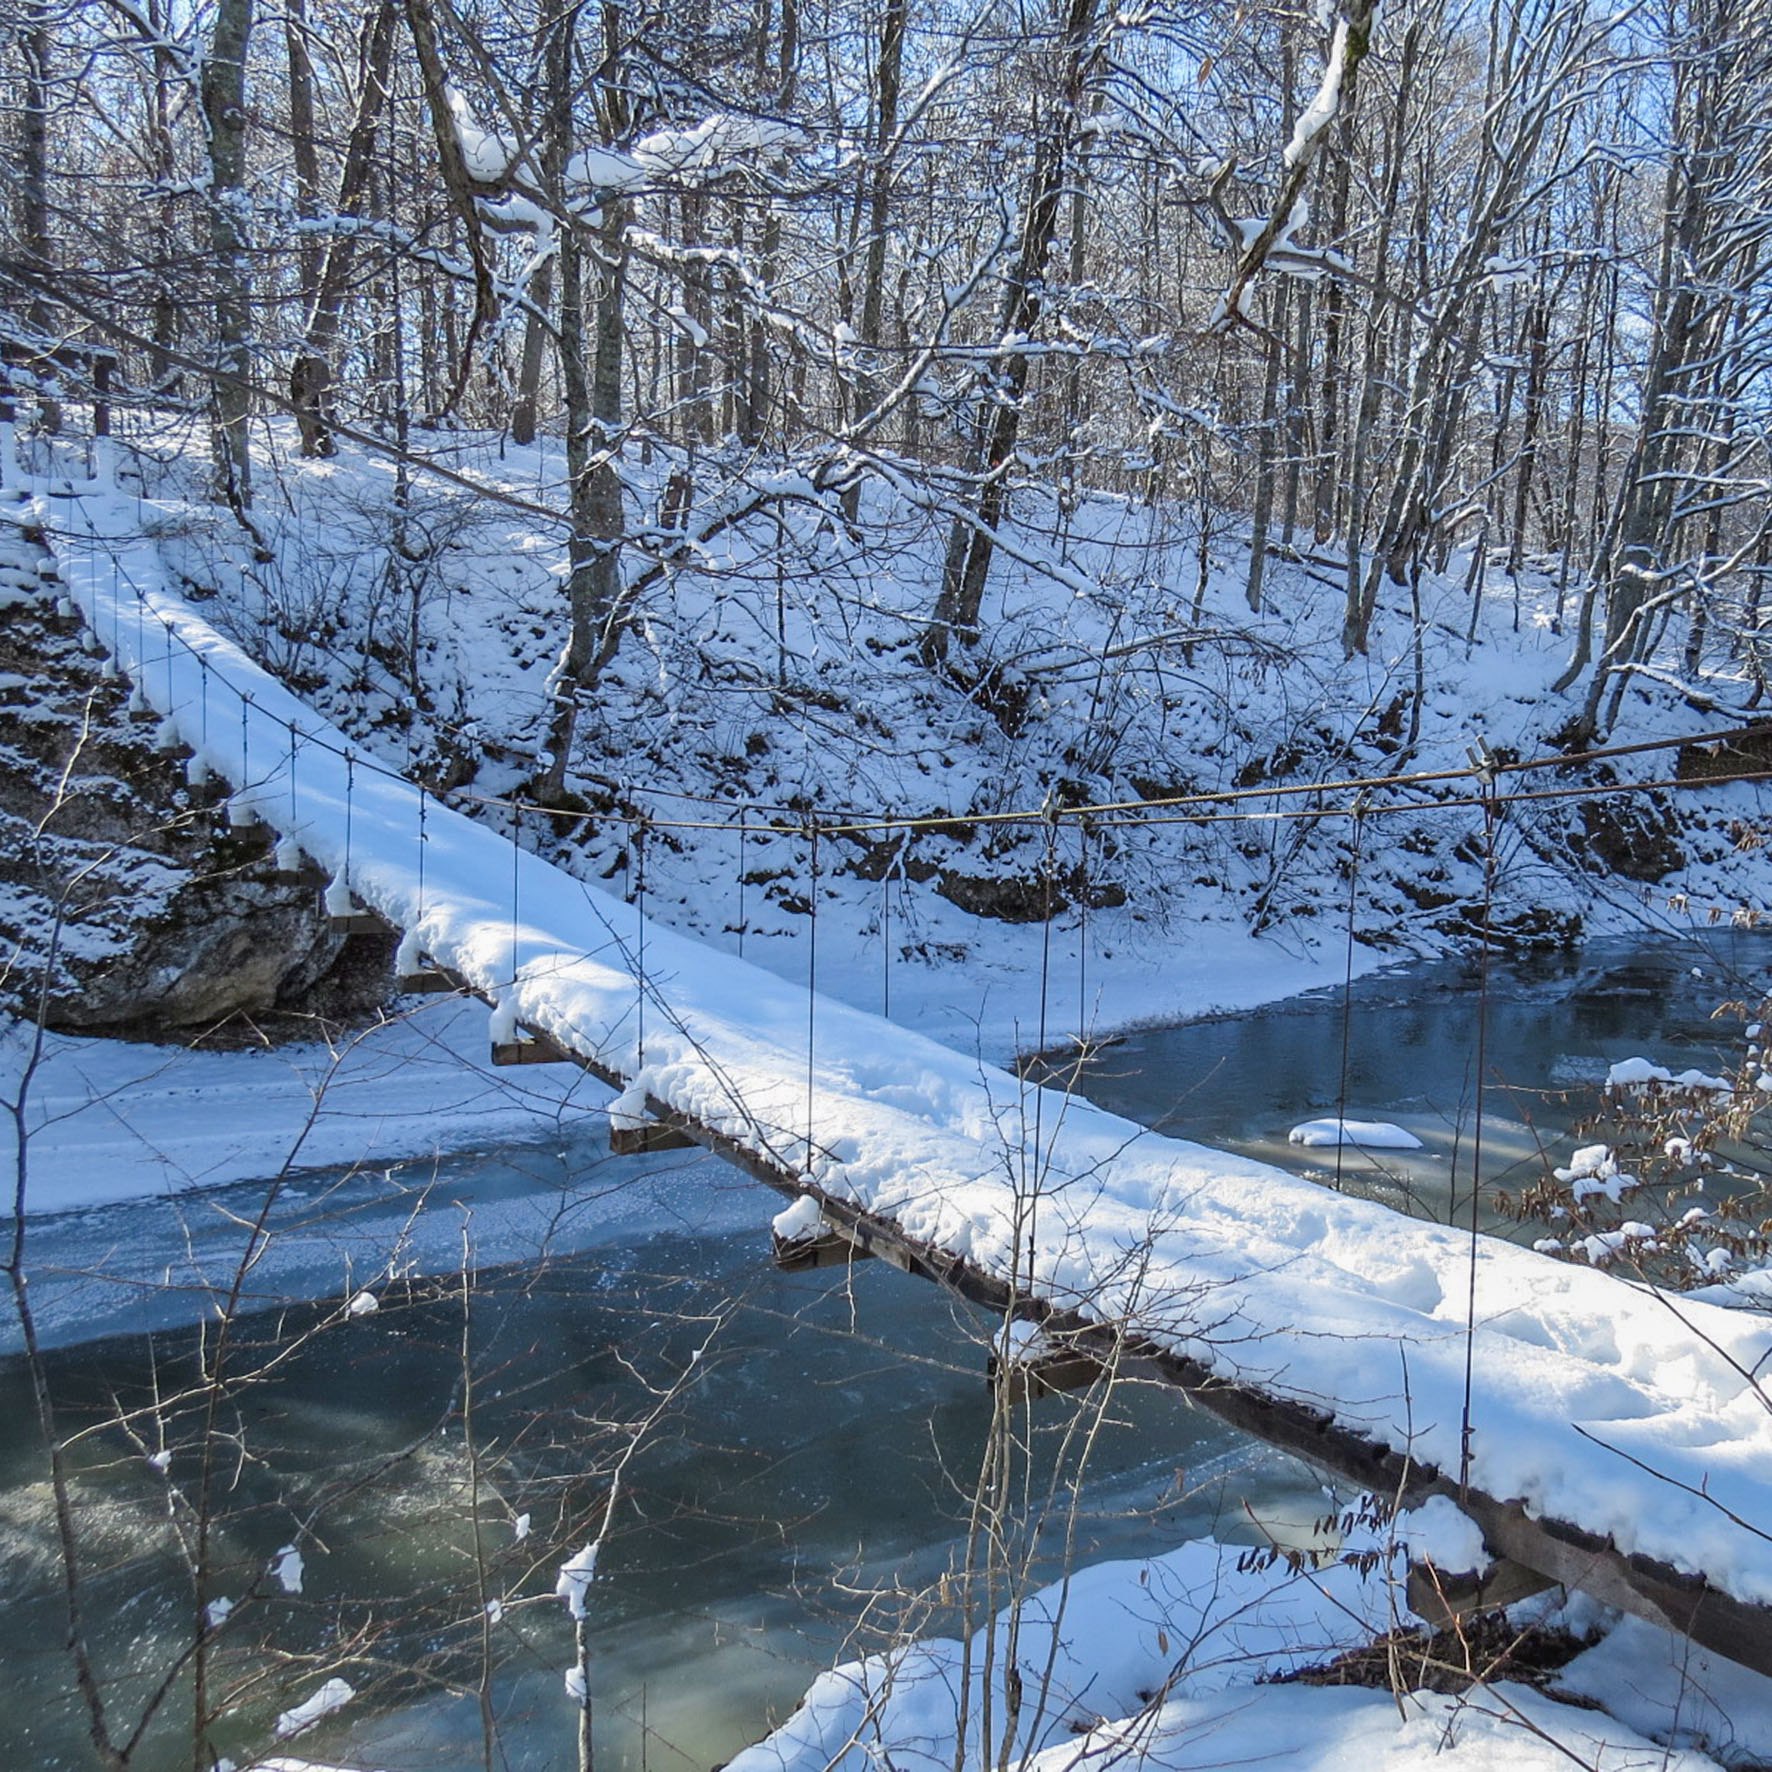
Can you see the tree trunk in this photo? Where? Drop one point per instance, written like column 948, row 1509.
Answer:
column 971, row 541
column 591, row 371
column 879, row 197
column 304, row 151
column 556, row 58
column 310, row 380
column 33, row 193
column 224, row 114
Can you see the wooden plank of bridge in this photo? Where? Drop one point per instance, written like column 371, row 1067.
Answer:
column 358, row 920
column 1055, row 1368
column 306, row 873
column 830, row 1249
column 430, row 980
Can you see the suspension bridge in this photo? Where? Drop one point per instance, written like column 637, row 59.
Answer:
column 1603, row 1436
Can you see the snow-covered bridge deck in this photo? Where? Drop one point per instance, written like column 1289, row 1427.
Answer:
column 1621, row 1440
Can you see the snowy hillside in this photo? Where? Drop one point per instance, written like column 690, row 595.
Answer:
column 771, row 678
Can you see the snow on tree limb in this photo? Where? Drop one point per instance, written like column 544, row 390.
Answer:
column 1271, row 242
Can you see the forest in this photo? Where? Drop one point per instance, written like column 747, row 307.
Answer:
column 1122, row 647
column 1486, row 278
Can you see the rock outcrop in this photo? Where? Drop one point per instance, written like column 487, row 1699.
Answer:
column 128, row 904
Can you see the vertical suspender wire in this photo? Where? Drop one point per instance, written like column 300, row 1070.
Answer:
column 171, row 703
column 743, row 831
column 1033, row 1193
column 245, row 747
column 115, row 662
column 292, row 816
column 516, row 855
column 1347, row 986
column 886, row 932
column 1470, row 1320
column 1083, row 892
column 423, row 840
column 640, row 943
column 811, row 993
column 350, row 802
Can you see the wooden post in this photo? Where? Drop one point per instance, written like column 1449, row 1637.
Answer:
column 534, row 1048
column 1046, row 1368
column 826, row 1250
column 102, row 364
column 430, row 980
column 1441, row 1597
column 653, row 1135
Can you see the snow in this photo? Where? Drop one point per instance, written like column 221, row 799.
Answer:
column 1440, row 1533
column 1593, row 1169
column 283, row 1763
column 576, row 1575
column 1639, row 1073
column 334, row 1695
column 1156, row 1665
column 1591, row 1402
column 1671, row 1691
column 1373, row 1135
column 287, row 1568
column 1499, row 1728
column 603, row 169
column 1189, row 1624
column 112, row 1121
column 1320, row 112
column 709, row 145
column 489, row 158
column 1022, row 1343
column 799, row 1222
column 628, row 1111
column 363, row 1304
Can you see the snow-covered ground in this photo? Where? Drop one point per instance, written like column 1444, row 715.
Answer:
column 114, row 1120
column 771, row 674
column 1165, row 1664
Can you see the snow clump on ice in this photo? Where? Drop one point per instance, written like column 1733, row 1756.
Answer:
column 1372, row 1135
column 334, row 1695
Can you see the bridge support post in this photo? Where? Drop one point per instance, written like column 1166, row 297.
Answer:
column 802, row 1237
column 1027, row 1364
column 536, row 1048
column 650, row 1135
column 430, row 980
column 1441, row 1596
